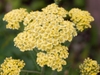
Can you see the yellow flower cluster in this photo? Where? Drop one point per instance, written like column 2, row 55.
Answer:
column 11, row 67
column 47, row 30
column 14, row 17
column 89, row 67
column 81, row 18
column 53, row 58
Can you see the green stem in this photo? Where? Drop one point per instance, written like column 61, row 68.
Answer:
column 34, row 61
column 42, row 70
column 57, row 1
column 31, row 71
column 27, row 73
column 54, row 72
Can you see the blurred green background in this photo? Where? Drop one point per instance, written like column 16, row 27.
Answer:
column 86, row 44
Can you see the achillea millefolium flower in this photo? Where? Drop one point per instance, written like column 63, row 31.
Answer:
column 54, row 58
column 89, row 67
column 14, row 17
column 82, row 19
column 47, row 30
column 11, row 66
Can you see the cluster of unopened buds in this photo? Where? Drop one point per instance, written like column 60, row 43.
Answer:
column 47, row 30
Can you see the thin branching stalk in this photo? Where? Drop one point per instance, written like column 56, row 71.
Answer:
column 33, row 59
column 31, row 71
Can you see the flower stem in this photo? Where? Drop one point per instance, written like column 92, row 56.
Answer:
column 54, row 72
column 33, row 59
column 42, row 70
column 57, row 1
column 31, row 71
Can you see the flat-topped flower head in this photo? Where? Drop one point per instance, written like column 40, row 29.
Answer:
column 54, row 58
column 14, row 17
column 47, row 30
column 11, row 66
column 89, row 67
column 42, row 29
column 82, row 19
column 50, row 60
